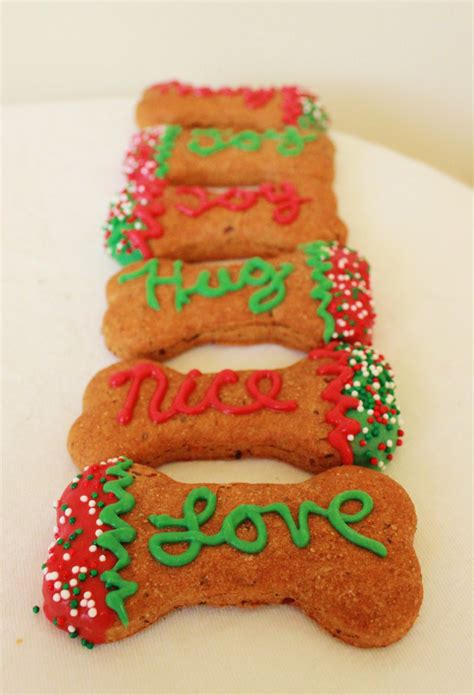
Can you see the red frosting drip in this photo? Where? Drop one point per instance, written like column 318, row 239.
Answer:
column 254, row 98
column 339, row 368
column 140, row 163
column 91, row 628
column 211, row 399
column 291, row 105
column 147, row 211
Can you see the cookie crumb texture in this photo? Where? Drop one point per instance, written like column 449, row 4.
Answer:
column 108, row 583
column 242, row 107
column 160, row 308
column 196, row 223
column 335, row 407
column 224, row 157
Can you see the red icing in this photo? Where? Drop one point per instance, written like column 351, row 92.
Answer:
column 254, row 98
column 284, row 197
column 147, row 211
column 351, row 303
column 140, row 163
column 149, row 206
column 90, row 628
column 211, row 399
column 291, row 105
column 343, row 373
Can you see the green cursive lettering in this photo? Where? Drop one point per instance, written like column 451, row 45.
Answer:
column 254, row 272
column 195, row 539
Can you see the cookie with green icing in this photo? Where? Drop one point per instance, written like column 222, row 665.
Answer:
column 225, row 157
column 130, row 545
column 320, row 292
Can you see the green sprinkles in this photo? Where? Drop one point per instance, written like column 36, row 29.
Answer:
column 36, row 609
column 373, row 385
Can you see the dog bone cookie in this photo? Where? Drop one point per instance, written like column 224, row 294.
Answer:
column 131, row 545
column 155, row 219
column 227, row 107
column 214, row 157
column 159, row 308
column 335, row 407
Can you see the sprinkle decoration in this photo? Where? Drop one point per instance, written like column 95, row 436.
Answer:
column 343, row 290
column 133, row 221
column 365, row 415
column 82, row 588
column 134, row 215
column 304, row 110
column 149, row 152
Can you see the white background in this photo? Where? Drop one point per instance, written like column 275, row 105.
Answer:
column 393, row 72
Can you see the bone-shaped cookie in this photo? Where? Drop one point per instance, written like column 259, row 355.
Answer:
column 131, row 545
column 213, row 157
column 155, row 219
column 335, row 407
column 238, row 107
column 159, row 308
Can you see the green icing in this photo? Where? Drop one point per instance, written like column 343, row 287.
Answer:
column 254, row 272
column 164, row 149
column 121, row 532
column 289, row 141
column 117, row 242
column 378, row 413
column 299, row 532
column 318, row 254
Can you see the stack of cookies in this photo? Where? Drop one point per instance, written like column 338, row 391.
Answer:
column 227, row 231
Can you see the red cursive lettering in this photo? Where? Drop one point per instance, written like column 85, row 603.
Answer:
column 211, row 399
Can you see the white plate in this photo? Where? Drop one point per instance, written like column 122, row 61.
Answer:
column 62, row 165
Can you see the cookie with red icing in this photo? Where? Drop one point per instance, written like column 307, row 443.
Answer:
column 131, row 545
column 231, row 107
column 159, row 308
column 335, row 407
column 156, row 219
column 222, row 157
